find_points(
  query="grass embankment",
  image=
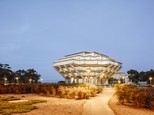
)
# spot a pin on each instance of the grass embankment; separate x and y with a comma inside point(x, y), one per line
point(7, 108)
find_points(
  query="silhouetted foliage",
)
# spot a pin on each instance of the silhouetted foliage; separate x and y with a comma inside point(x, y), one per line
point(19, 76)
point(135, 76)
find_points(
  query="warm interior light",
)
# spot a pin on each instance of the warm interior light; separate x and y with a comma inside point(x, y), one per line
point(88, 70)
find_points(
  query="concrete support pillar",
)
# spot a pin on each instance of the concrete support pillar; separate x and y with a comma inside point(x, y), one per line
point(83, 80)
point(80, 80)
point(92, 80)
point(71, 80)
point(106, 82)
point(76, 80)
point(96, 81)
point(67, 80)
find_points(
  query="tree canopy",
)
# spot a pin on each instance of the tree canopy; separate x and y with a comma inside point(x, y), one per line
point(135, 76)
point(20, 76)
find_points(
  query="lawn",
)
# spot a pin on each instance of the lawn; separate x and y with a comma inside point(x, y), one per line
point(7, 108)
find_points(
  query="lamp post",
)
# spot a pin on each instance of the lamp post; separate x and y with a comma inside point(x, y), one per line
point(41, 80)
point(5, 81)
point(150, 78)
point(30, 80)
point(17, 80)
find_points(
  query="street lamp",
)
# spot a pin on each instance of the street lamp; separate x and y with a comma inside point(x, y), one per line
point(150, 78)
point(123, 79)
point(17, 80)
point(30, 80)
point(41, 80)
point(5, 81)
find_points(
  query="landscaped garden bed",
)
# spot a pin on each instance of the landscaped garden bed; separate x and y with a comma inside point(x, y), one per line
point(135, 95)
point(7, 107)
point(75, 91)
point(13, 104)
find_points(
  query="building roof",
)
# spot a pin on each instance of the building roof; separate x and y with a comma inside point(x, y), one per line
point(79, 53)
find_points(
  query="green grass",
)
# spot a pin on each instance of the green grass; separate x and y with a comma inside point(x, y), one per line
point(7, 108)
point(8, 98)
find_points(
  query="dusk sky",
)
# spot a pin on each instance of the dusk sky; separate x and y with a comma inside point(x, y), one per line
point(35, 33)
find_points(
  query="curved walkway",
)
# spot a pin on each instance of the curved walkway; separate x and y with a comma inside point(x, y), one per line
point(99, 105)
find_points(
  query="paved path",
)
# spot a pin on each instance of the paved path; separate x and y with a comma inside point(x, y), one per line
point(99, 105)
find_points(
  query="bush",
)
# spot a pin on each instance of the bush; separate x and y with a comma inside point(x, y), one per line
point(77, 92)
point(3, 89)
point(135, 95)
point(71, 91)
point(99, 89)
point(151, 106)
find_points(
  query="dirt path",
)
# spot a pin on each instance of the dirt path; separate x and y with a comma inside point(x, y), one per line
point(99, 105)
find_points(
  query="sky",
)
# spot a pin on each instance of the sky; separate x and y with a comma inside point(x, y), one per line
point(35, 33)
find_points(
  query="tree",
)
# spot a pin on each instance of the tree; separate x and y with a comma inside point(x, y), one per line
point(150, 74)
point(32, 74)
point(5, 72)
point(133, 76)
point(142, 76)
point(112, 80)
point(19, 76)
point(22, 75)
point(26, 76)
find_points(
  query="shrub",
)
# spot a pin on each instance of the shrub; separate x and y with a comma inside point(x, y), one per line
point(35, 88)
point(3, 89)
point(151, 105)
point(99, 89)
point(135, 95)
point(80, 94)
point(75, 91)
